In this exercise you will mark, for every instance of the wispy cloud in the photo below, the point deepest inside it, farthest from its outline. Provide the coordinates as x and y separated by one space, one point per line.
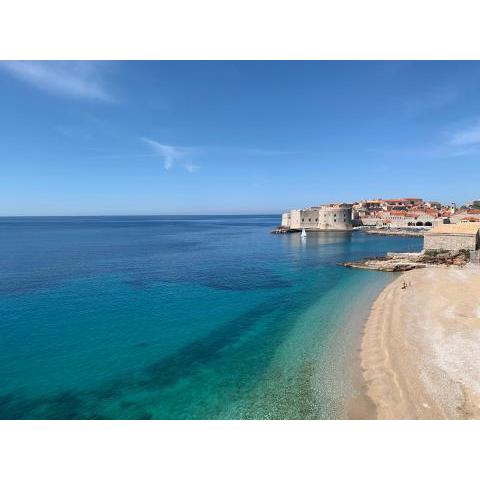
466 136
173 155
73 79
460 140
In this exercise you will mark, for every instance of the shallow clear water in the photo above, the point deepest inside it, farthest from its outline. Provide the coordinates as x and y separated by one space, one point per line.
180 317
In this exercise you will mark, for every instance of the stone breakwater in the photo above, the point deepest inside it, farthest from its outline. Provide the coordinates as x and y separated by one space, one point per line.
402 262
395 232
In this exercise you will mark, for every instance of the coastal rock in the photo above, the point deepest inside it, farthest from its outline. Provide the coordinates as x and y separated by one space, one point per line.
385 264
402 262
280 229
443 257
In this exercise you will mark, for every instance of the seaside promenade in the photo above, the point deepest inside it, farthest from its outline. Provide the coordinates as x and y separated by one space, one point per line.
420 350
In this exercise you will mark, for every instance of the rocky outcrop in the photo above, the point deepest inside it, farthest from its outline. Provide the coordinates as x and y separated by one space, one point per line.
402 262
444 257
281 229
390 263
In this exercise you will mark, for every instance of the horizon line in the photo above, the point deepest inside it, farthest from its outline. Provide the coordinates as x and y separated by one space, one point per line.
140 215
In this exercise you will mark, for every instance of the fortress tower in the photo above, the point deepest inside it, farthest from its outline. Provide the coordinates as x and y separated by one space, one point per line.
324 217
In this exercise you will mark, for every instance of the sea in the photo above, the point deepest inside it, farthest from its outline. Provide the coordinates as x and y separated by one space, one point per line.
181 317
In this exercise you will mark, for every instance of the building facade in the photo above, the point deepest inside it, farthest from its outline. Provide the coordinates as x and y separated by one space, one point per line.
401 219
471 214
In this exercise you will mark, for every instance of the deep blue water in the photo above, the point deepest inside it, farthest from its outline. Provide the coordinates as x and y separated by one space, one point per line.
180 317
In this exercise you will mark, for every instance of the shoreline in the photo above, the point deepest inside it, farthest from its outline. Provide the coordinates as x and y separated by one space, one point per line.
419 351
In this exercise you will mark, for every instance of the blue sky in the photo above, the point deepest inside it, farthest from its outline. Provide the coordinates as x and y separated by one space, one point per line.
80 138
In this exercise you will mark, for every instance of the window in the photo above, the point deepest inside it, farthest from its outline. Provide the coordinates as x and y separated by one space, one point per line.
309 219
316 219
303 220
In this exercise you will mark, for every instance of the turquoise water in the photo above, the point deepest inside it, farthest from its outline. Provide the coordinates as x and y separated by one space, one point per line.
180 317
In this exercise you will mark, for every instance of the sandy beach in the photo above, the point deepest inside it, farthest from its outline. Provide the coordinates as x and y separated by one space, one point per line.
421 346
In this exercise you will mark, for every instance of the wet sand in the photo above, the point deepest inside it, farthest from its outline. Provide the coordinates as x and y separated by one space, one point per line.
421 346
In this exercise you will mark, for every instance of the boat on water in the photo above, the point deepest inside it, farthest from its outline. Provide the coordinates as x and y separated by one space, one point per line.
304 233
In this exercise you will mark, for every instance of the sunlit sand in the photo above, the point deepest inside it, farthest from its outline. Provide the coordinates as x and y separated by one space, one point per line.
421 346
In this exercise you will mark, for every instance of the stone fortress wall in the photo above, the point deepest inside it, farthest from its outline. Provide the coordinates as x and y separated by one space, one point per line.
450 242
460 236
324 217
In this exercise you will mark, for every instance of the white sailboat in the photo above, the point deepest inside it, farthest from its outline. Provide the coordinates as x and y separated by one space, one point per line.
304 233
